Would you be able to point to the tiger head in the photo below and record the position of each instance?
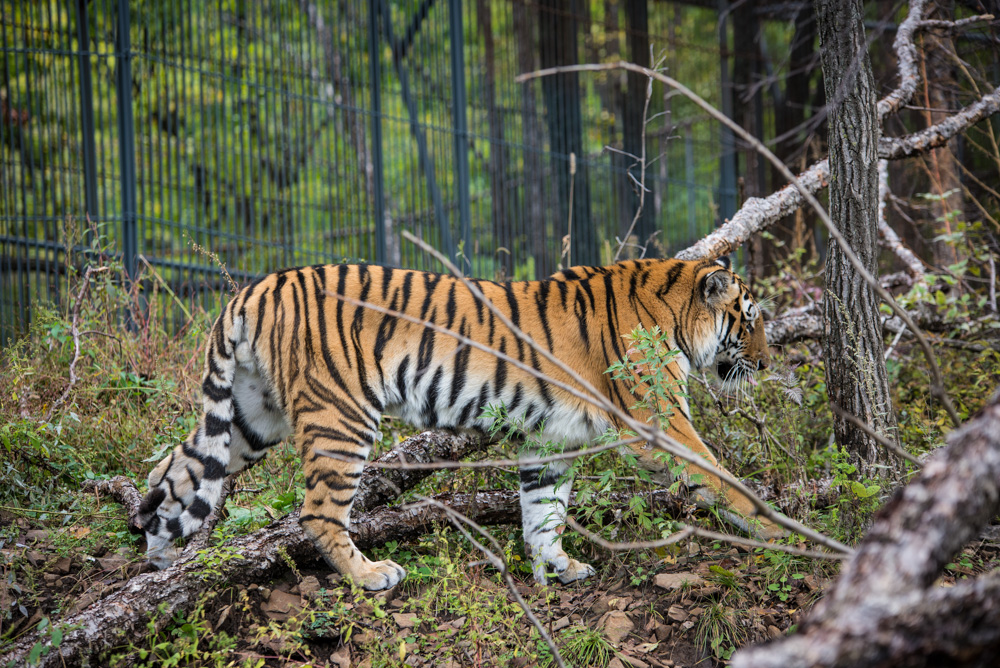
(741, 350)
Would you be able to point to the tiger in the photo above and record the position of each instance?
(303, 353)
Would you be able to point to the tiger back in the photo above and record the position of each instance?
(302, 353)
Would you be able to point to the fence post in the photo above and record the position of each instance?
(461, 125)
(126, 141)
(86, 114)
(376, 154)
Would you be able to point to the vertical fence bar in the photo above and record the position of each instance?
(126, 141)
(727, 161)
(461, 123)
(376, 151)
(86, 112)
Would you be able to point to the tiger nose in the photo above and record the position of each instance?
(762, 363)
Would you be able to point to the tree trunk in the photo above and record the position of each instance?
(942, 164)
(637, 38)
(502, 220)
(853, 348)
(531, 137)
(885, 609)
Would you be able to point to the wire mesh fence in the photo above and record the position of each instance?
(280, 133)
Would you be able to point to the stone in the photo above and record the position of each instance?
(113, 563)
(561, 623)
(281, 606)
(634, 661)
(405, 620)
(616, 625)
(341, 658)
(601, 605)
(309, 586)
(677, 613)
(676, 581)
(774, 632)
(36, 536)
(63, 566)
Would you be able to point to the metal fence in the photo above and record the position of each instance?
(283, 132)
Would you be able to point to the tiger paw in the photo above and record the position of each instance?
(161, 552)
(563, 568)
(576, 570)
(379, 575)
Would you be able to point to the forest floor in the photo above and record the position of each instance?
(692, 608)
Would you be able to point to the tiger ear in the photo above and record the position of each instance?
(715, 286)
(724, 262)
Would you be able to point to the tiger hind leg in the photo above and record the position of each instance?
(241, 422)
(545, 494)
(335, 445)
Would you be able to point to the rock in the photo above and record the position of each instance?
(309, 586)
(362, 637)
(405, 620)
(281, 605)
(51, 578)
(396, 603)
(340, 658)
(774, 632)
(34, 557)
(36, 536)
(63, 566)
(662, 632)
(601, 605)
(458, 622)
(634, 661)
(616, 625)
(677, 613)
(674, 581)
(561, 623)
(113, 563)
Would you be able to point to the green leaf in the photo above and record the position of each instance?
(57, 636)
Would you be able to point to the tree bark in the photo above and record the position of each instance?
(885, 609)
(853, 347)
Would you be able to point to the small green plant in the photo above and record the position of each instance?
(719, 631)
(583, 646)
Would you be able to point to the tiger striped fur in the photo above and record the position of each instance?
(287, 357)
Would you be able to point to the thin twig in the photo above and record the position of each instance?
(882, 440)
(75, 331)
(641, 161)
(461, 521)
(687, 531)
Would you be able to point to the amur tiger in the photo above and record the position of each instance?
(288, 357)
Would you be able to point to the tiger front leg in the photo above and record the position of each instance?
(545, 494)
(333, 462)
(707, 489)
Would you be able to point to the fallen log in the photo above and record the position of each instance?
(254, 557)
(885, 609)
